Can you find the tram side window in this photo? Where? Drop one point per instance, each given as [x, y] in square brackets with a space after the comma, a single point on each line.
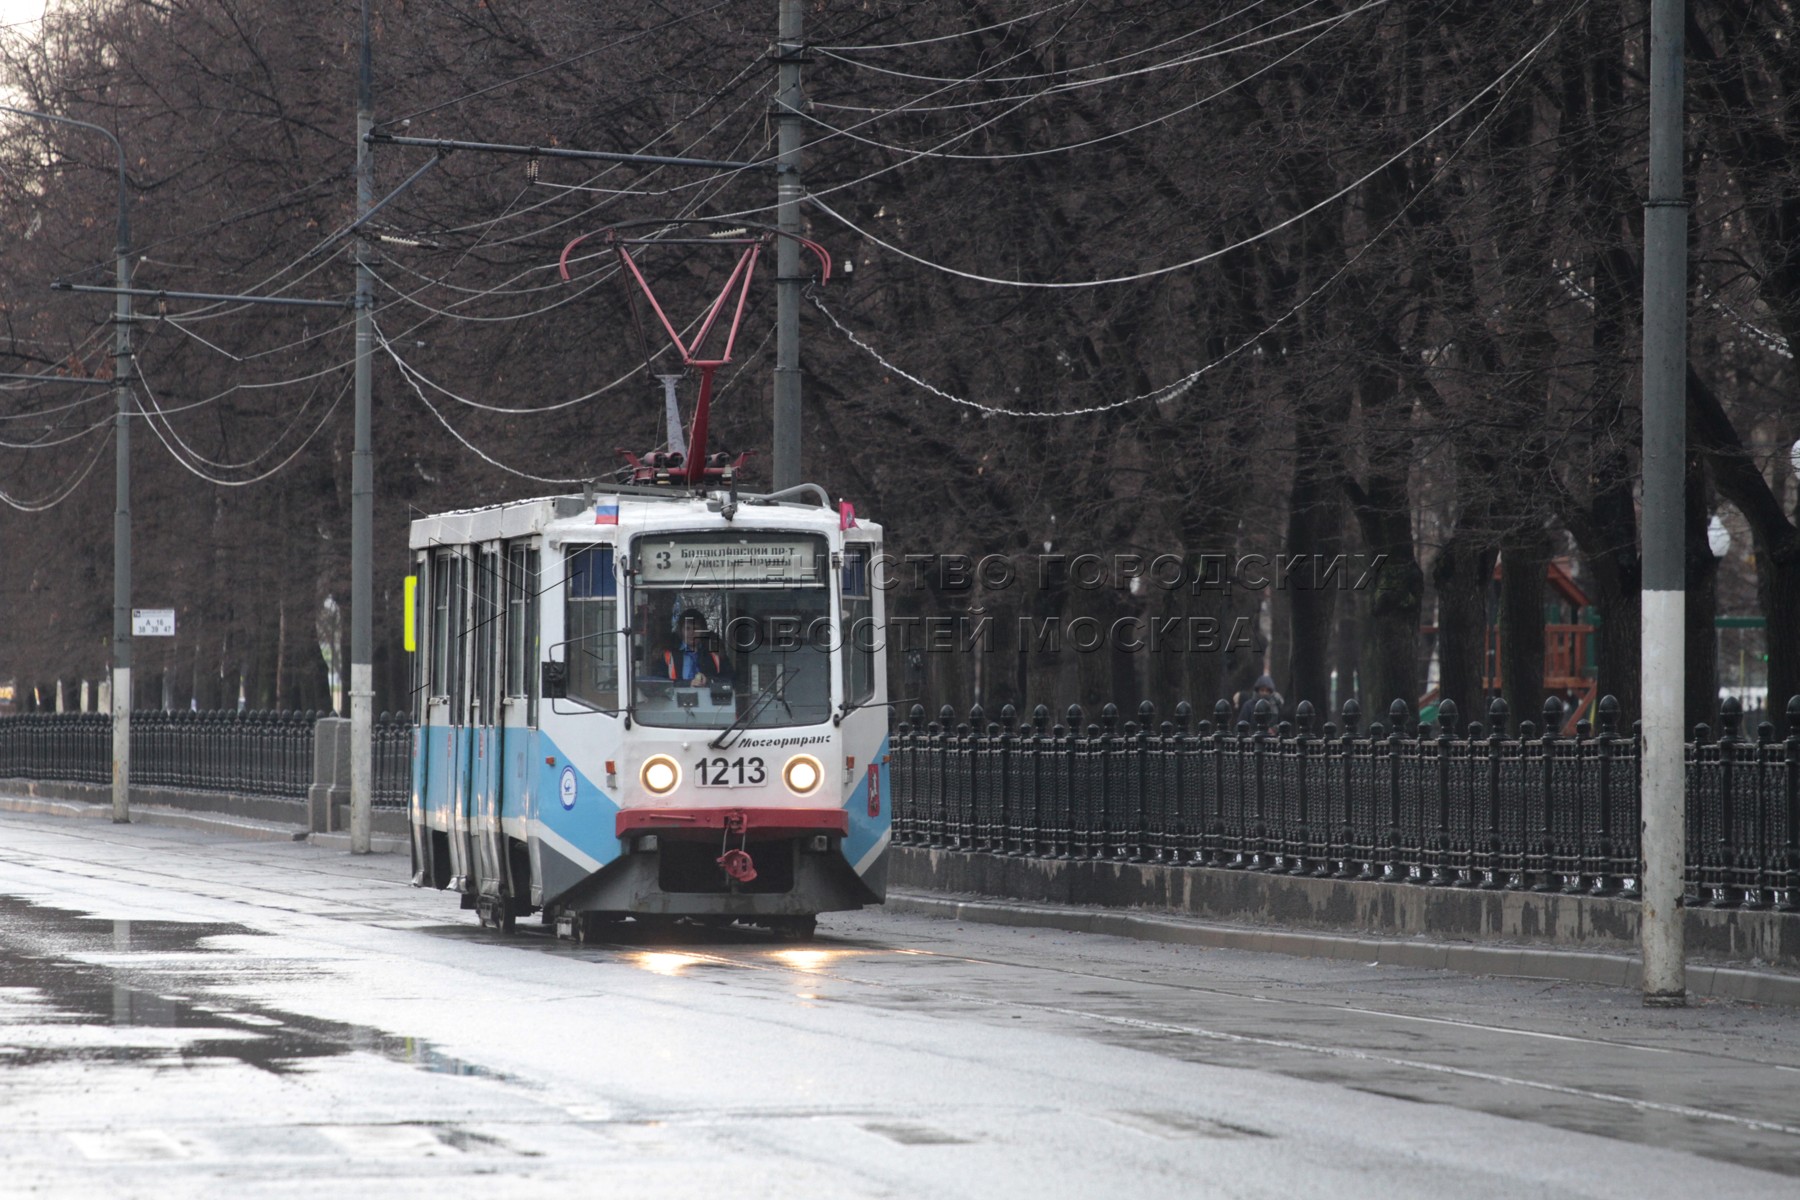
[857, 631]
[441, 641]
[591, 624]
[419, 661]
[487, 644]
[521, 624]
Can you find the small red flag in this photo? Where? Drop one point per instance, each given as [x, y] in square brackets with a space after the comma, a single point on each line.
[846, 515]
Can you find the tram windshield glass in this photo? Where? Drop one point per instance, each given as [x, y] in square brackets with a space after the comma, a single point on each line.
[731, 628]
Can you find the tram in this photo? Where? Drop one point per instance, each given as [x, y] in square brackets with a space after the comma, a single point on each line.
[650, 702]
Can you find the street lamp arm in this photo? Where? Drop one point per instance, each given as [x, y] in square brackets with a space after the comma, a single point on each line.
[124, 220]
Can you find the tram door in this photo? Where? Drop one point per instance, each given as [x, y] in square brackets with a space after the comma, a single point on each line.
[513, 750]
[483, 792]
[863, 673]
[444, 772]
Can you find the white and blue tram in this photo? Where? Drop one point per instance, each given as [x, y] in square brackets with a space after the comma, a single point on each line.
[654, 703]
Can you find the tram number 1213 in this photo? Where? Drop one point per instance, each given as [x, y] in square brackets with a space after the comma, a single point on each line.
[733, 772]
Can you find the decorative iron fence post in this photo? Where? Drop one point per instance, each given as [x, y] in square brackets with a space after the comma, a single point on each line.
[909, 785]
[1069, 801]
[1299, 848]
[1168, 791]
[1005, 825]
[1605, 865]
[1329, 858]
[1222, 851]
[1394, 870]
[1257, 826]
[1475, 807]
[938, 763]
[1442, 875]
[1347, 869]
[1543, 837]
[1142, 807]
[972, 763]
[1036, 816]
[1186, 842]
[1725, 893]
[1788, 895]
[960, 787]
[1756, 873]
[1103, 843]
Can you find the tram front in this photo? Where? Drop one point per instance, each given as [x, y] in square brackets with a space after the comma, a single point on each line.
[752, 762]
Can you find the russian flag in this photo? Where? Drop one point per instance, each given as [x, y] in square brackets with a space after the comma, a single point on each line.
[606, 512]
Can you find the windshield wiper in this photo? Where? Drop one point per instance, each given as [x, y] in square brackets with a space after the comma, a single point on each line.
[847, 709]
[751, 712]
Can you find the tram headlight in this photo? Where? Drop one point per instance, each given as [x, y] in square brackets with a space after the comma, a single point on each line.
[659, 774]
[803, 774]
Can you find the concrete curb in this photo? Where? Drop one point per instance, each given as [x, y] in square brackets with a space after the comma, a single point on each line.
[378, 843]
[1530, 962]
[148, 814]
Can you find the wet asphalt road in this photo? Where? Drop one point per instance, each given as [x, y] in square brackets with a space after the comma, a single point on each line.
[187, 1014]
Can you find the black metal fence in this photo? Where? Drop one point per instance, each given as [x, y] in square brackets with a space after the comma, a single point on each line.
[1486, 808]
[393, 751]
[249, 753]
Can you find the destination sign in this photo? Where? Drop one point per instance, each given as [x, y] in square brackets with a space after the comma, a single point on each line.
[681, 562]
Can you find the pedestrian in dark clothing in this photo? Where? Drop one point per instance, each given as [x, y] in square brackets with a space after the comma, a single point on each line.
[1264, 690]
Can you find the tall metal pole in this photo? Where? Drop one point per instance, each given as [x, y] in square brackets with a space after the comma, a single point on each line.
[121, 647]
[1665, 454]
[788, 46]
[362, 484]
[121, 643]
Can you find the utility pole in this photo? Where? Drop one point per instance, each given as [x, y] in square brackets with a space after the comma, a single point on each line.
[121, 643]
[1664, 602]
[362, 482]
[121, 647]
[788, 47]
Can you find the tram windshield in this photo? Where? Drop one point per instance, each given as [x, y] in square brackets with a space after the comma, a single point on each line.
[731, 628]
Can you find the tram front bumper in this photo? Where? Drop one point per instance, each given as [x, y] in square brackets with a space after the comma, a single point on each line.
[675, 864]
[731, 823]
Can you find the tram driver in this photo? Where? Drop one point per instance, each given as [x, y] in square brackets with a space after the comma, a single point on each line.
[695, 658]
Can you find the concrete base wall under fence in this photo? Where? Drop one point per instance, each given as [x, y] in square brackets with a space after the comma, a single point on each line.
[1598, 923]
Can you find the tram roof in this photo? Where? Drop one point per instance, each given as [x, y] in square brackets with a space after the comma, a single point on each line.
[573, 516]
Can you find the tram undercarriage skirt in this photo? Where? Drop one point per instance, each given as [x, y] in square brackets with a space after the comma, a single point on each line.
[632, 883]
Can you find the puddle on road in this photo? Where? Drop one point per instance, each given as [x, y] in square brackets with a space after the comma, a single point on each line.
[163, 975]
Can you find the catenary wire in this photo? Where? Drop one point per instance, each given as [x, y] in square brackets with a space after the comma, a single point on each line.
[156, 410]
[1179, 60]
[559, 65]
[1177, 388]
[1154, 272]
[1011, 21]
[38, 506]
[234, 483]
[1329, 27]
[47, 440]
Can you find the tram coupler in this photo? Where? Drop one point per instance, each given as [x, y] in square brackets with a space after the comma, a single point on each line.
[739, 865]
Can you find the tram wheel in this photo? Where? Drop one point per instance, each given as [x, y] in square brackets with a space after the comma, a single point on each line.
[596, 926]
[498, 913]
[795, 929]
